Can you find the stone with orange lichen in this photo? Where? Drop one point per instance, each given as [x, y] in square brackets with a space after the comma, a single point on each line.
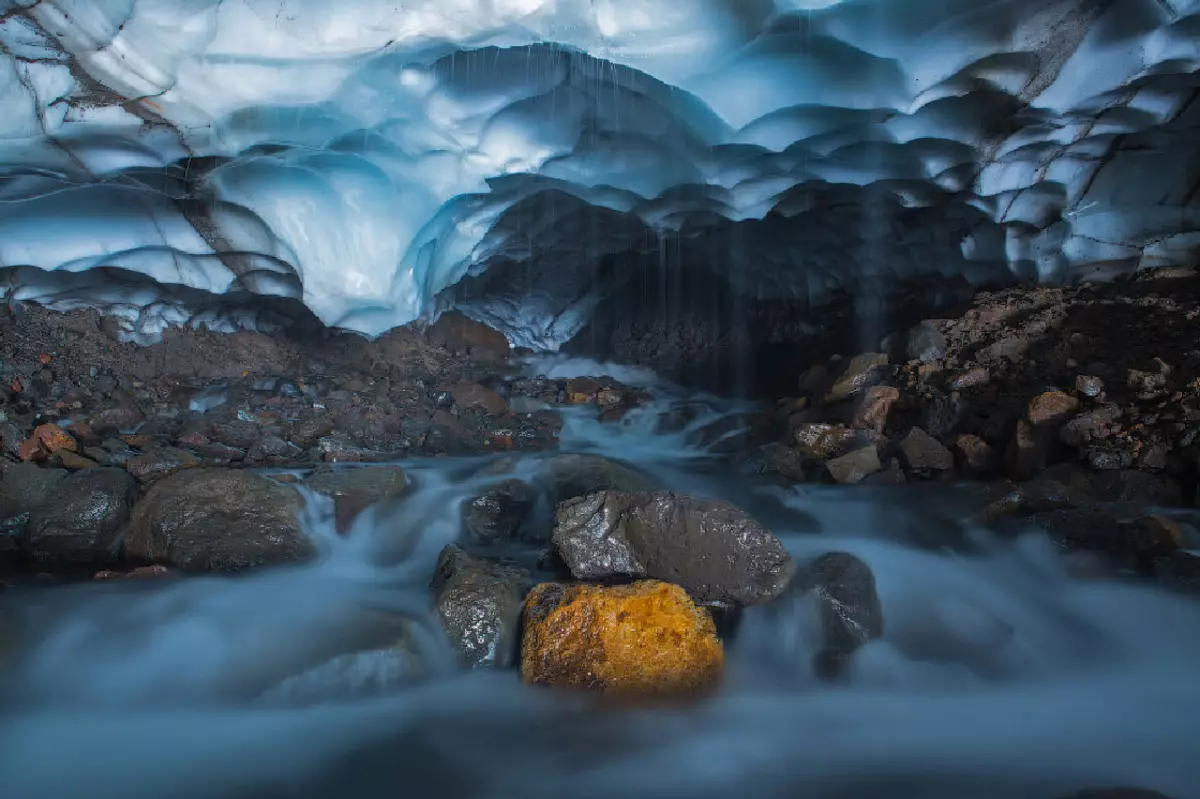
[645, 638]
[46, 440]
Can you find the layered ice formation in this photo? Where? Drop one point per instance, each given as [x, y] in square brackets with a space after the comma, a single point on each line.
[364, 157]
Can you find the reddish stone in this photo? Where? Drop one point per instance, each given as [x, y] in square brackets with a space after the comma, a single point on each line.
[872, 410]
[1052, 407]
[46, 440]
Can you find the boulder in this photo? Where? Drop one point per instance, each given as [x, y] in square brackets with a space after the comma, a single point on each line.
[24, 487]
[871, 411]
[82, 521]
[573, 475]
[459, 333]
[644, 638]
[821, 441]
[711, 548]
[496, 514]
[863, 371]
[848, 606]
[925, 343]
[479, 602]
[1051, 408]
[355, 490]
[45, 441]
[854, 467]
[160, 462]
[924, 453]
[472, 396]
[221, 520]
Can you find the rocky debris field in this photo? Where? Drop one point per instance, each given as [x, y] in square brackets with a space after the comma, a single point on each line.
[1074, 410]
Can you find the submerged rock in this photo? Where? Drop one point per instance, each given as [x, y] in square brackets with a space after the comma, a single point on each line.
[24, 487]
[847, 604]
[644, 638]
[355, 490]
[479, 602]
[82, 521]
[711, 548]
[218, 520]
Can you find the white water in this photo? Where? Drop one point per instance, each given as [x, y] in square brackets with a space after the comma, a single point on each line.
[998, 675]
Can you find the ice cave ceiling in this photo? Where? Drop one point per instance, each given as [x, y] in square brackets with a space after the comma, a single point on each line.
[157, 156]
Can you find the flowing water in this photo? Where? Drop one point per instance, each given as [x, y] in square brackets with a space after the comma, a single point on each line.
[999, 675]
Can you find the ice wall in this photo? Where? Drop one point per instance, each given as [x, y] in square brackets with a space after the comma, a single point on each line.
[365, 156]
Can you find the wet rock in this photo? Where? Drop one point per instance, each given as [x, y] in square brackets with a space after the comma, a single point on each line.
[1150, 385]
[45, 441]
[971, 378]
[778, 459]
[1029, 451]
[1137, 487]
[1136, 544]
[1051, 407]
[273, 449]
[1094, 425]
[117, 419]
[925, 343]
[925, 454]
[25, 486]
[974, 456]
[217, 520]
[572, 475]
[940, 412]
[871, 411]
[479, 602]
[82, 521]
[892, 474]
[1109, 456]
[821, 440]
[1179, 570]
[1089, 385]
[472, 396]
[336, 449]
[74, 461]
[711, 548]
[847, 604]
[355, 490]
[854, 467]
[237, 433]
[140, 573]
[644, 638]
[159, 463]
[496, 514]
[863, 371]
[459, 333]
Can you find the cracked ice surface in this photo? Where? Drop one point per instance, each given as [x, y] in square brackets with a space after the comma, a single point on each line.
[366, 157]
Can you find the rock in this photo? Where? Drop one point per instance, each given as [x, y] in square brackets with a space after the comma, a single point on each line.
[892, 474]
[1093, 425]
[863, 371]
[1137, 487]
[572, 475]
[923, 453]
[217, 520]
[25, 486]
[1051, 407]
[1029, 450]
[975, 457]
[336, 449]
[976, 376]
[1089, 386]
[711, 548]
[354, 490]
[472, 396]
[159, 463]
[140, 573]
[273, 449]
[461, 334]
[1149, 385]
[872, 409]
[82, 521]
[237, 433]
[45, 441]
[854, 467]
[644, 638]
[940, 412]
[496, 514]
[925, 343]
[74, 461]
[847, 604]
[479, 602]
[117, 419]
[782, 460]
[820, 440]
[1179, 570]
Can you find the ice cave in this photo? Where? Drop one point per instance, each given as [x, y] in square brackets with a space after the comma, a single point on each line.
[519, 398]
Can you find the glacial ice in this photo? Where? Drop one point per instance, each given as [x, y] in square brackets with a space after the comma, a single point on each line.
[374, 159]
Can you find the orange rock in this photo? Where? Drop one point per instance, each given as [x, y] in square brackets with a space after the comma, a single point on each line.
[644, 638]
[46, 439]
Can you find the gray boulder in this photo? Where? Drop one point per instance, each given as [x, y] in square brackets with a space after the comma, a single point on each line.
[711, 548]
[479, 602]
[848, 606]
[218, 520]
[83, 521]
